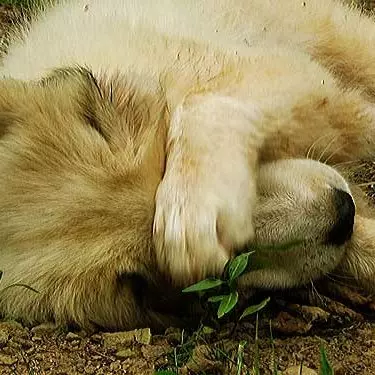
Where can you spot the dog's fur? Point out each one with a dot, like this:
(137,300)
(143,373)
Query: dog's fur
(145,140)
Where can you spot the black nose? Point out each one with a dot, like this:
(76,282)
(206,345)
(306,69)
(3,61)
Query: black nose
(343,228)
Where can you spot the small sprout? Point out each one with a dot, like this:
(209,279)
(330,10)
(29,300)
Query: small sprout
(227,304)
(325,367)
(238,266)
(228,298)
(203,285)
(215,299)
(255,308)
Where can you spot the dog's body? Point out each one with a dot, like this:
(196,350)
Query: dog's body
(191,105)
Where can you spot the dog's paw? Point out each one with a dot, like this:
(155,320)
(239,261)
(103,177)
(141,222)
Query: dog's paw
(200,222)
(359,259)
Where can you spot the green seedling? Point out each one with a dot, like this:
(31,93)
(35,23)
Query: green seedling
(325,366)
(227,302)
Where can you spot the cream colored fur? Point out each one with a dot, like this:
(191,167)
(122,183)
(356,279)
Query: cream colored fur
(161,158)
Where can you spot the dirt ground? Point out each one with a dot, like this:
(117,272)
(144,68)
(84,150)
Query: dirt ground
(328,315)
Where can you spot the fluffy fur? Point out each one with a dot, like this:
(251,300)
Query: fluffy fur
(144,142)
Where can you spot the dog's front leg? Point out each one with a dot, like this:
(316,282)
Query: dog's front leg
(359,260)
(204,203)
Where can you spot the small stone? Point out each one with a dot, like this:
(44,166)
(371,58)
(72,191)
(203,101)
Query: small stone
(288,324)
(118,340)
(96,338)
(125,353)
(82,333)
(75,343)
(297,370)
(201,360)
(72,336)
(143,336)
(96,357)
(43,329)
(7,360)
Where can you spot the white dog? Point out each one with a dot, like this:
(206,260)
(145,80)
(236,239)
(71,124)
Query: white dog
(143,140)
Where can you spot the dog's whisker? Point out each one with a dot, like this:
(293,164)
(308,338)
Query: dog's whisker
(312,148)
(329,144)
(333,154)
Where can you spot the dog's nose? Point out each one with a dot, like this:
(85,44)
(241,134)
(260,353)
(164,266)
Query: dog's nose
(343,228)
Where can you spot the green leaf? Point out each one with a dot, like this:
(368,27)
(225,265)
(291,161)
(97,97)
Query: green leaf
(227,304)
(203,285)
(325,367)
(216,299)
(238,265)
(255,308)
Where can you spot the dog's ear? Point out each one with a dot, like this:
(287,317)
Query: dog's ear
(111,105)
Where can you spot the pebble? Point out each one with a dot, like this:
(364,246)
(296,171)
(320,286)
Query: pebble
(143,336)
(96,338)
(43,329)
(297,370)
(72,336)
(119,340)
(125,353)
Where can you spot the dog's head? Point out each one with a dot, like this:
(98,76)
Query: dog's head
(304,217)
